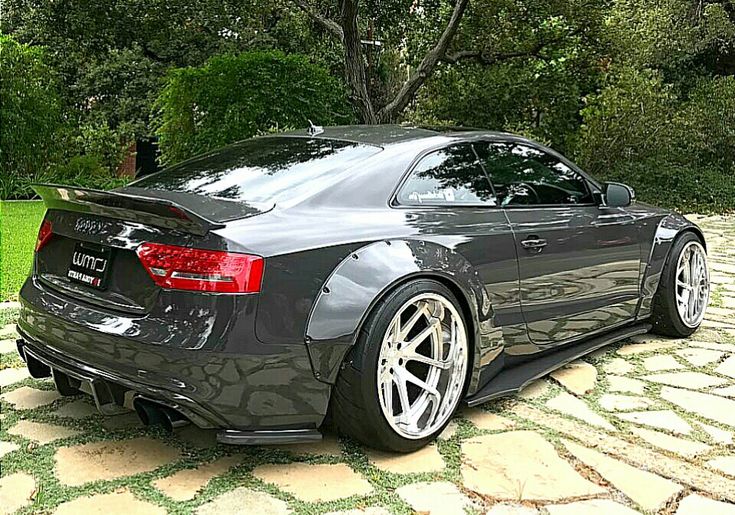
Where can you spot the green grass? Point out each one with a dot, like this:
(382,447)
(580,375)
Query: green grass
(19,222)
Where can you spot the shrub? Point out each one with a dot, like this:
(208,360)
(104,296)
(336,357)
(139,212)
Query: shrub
(676,152)
(234,97)
(30,115)
(84,171)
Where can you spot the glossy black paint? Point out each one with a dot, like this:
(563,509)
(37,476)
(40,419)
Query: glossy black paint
(529,279)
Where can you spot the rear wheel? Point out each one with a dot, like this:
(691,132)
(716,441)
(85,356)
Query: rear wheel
(683,291)
(406,375)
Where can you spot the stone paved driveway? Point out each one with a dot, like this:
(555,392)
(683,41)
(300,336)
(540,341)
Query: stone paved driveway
(645,426)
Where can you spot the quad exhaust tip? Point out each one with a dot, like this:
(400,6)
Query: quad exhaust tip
(154,414)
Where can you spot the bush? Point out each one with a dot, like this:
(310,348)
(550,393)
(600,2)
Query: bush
(234,97)
(30,115)
(676,152)
(83,171)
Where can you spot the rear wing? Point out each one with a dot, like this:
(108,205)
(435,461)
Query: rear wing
(124,206)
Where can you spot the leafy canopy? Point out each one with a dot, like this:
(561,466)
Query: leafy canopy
(234,97)
(30,113)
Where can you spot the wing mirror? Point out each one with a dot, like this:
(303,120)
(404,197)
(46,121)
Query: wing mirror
(618,195)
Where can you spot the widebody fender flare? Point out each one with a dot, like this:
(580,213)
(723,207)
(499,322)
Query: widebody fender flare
(668,229)
(359,282)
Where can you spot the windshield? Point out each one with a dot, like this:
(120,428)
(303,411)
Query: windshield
(272,169)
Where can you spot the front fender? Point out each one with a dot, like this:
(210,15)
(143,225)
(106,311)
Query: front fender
(363,278)
(668,229)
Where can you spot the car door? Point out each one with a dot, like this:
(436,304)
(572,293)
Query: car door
(448,199)
(578,261)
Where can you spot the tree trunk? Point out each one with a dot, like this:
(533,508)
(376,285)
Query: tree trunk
(354,63)
(407,93)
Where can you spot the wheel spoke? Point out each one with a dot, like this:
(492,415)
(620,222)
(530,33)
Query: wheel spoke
(433,327)
(420,358)
(408,377)
(402,394)
(387,388)
(403,331)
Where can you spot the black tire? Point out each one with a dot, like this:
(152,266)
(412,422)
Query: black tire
(664,316)
(356,407)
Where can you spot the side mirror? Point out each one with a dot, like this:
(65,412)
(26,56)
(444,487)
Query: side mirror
(618,195)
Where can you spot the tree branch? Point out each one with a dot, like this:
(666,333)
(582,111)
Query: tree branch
(426,67)
(534,51)
(329,25)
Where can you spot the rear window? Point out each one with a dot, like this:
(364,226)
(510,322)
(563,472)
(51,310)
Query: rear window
(274,169)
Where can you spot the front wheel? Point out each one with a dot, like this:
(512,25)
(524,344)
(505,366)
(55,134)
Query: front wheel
(406,375)
(684,288)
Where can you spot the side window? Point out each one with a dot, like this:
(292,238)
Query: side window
(522,175)
(450,176)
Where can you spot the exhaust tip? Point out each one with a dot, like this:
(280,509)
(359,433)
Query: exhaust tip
(154,414)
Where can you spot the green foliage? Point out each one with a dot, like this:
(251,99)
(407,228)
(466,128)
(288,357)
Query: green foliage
(38,145)
(637,90)
(676,152)
(542,52)
(30,114)
(85,171)
(235,97)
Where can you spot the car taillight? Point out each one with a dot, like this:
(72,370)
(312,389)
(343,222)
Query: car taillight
(184,268)
(44,235)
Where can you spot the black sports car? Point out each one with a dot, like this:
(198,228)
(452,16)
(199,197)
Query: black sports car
(383,274)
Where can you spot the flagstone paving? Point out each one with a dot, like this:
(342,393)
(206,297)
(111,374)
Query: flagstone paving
(118,503)
(244,501)
(521,465)
(644,426)
(315,482)
(440,498)
(26,397)
(649,491)
(41,432)
(7,346)
(427,459)
(16,491)
(616,402)
(687,448)
(80,464)
(592,506)
(578,377)
(482,419)
(184,484)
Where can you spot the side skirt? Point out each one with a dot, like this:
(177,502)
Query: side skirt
(511,380)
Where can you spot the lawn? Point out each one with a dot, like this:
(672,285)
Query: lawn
(19,222)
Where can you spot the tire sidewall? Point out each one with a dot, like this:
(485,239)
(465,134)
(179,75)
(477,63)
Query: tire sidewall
(370,343)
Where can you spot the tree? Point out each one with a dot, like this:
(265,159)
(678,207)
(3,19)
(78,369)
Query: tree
(549,59)
(30,115)
(663,119)
(111,56)
(348,29)
(231,98)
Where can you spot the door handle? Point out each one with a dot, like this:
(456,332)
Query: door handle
(533,243)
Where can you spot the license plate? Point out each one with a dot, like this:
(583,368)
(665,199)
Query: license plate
(89,265)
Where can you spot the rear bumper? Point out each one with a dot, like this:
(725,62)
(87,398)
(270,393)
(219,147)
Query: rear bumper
(109,391)
(241,384)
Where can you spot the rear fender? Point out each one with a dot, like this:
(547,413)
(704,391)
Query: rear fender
(363,278)
(669,228)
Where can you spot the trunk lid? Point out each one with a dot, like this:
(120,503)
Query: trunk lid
(91,255)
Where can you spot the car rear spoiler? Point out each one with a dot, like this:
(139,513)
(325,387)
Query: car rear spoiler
(137,208)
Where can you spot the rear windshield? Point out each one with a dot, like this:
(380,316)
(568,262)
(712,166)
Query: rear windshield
(272,169)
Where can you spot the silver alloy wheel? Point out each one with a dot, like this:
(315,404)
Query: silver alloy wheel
(692,284)
(422,365)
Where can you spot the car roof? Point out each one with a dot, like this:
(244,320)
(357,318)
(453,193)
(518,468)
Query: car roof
(385,135)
